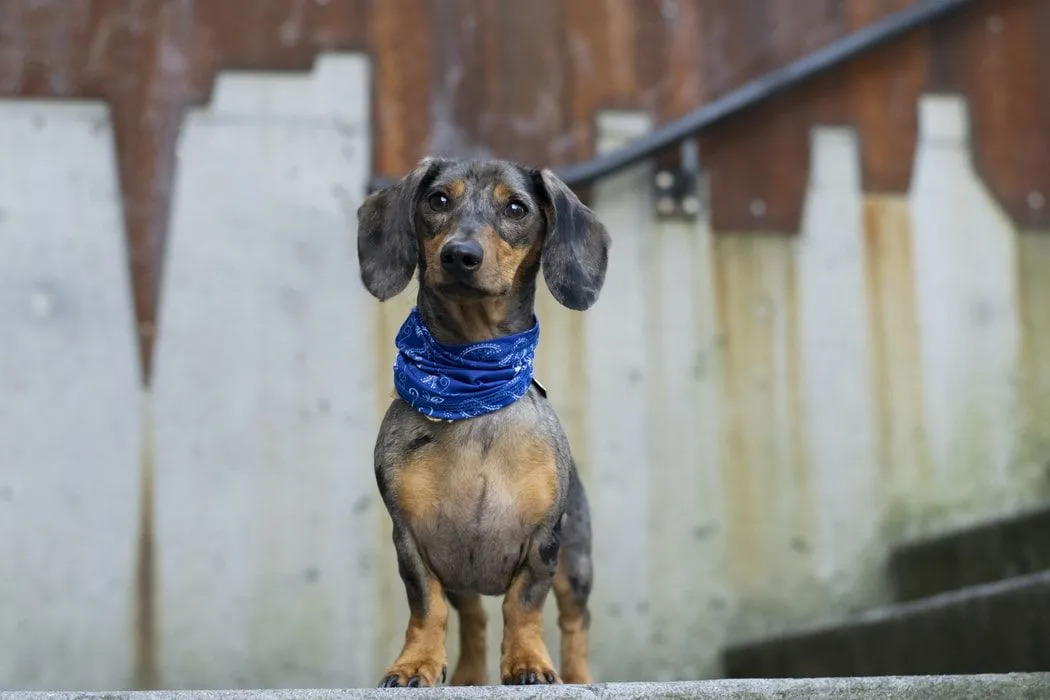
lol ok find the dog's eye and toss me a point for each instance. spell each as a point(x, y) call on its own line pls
point(515, 209)
point(439, 201)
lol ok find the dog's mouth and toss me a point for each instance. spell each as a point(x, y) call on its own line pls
point(467, 289)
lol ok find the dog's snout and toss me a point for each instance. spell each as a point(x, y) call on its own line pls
point(461, 257)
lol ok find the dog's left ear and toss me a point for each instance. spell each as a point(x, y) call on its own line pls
point(576, 251)
point(387, 249)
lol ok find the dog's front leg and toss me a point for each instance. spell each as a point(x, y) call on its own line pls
point(524, 659)
point(422, 659)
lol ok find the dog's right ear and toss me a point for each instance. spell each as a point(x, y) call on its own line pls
point(387, 248)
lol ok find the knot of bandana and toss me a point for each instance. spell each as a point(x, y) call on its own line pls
point(454, 382)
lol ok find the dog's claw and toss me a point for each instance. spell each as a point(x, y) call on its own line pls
point(415, 674)
point(530, 677)
point(444, 673)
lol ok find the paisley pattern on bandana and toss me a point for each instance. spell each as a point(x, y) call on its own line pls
point(455, 382)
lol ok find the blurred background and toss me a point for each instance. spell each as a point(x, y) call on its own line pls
point(811, 408)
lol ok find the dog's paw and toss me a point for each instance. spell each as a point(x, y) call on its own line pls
point(426, 673)
point(528, 669)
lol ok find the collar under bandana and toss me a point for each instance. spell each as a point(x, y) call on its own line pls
point(453, 382)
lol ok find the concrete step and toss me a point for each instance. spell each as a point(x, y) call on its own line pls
point(1001, 687)
point(994, 628)
point(984, 552)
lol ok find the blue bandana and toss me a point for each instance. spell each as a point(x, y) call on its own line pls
point(453, 382)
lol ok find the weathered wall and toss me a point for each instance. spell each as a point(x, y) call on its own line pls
point(474, 76)
point(756, 416)
point(69, 403)
point(263, 492)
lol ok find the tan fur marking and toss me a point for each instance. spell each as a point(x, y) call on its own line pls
point(470, 669)
point(435, 477)
point(418, 483)
point(574, 634)
point(511, 262)
point(501, 193)
point(432, 254)
point(534, 470)
point(424, 652)
point(456, 188)
point(523, 650)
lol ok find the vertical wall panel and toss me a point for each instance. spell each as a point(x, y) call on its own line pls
point(965, 267)
point(1034, 382)
point(836, 365)
point(69, 404)
point(706, 604)
point(901, 445)
point(765, 470)
point(619, 422)
point(264, 379)
point(687, 580)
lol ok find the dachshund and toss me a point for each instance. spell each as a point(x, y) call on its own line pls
point(488, 503)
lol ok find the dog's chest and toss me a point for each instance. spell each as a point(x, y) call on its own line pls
point(473, 504)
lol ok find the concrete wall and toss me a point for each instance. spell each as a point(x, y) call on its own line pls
point(69, 403)
point(756, 417)
point(263, 483)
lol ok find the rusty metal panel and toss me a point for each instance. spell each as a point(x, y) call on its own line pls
point(1008, 87)
point(469, 78)
point(882, 89)
point(399, 41)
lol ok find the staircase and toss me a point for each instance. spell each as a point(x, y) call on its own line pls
point(971, 601)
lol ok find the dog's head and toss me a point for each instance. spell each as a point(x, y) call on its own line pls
point(479, 230)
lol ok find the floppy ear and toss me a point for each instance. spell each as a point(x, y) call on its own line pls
point(576, 251)
point(387, 249)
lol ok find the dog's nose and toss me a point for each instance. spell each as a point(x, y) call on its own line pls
point(462, 256)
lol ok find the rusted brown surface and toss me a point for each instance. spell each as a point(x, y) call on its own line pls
point(883, 96)
point(758, 162)
point(1007, 43)
point(478, 76)
point(399, 38)
point(527, 84)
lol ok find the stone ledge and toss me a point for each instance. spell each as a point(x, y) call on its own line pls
point(982, 687)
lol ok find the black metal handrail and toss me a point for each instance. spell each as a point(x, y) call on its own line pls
point(748, 95)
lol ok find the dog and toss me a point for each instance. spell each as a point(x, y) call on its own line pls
point(481, 489)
